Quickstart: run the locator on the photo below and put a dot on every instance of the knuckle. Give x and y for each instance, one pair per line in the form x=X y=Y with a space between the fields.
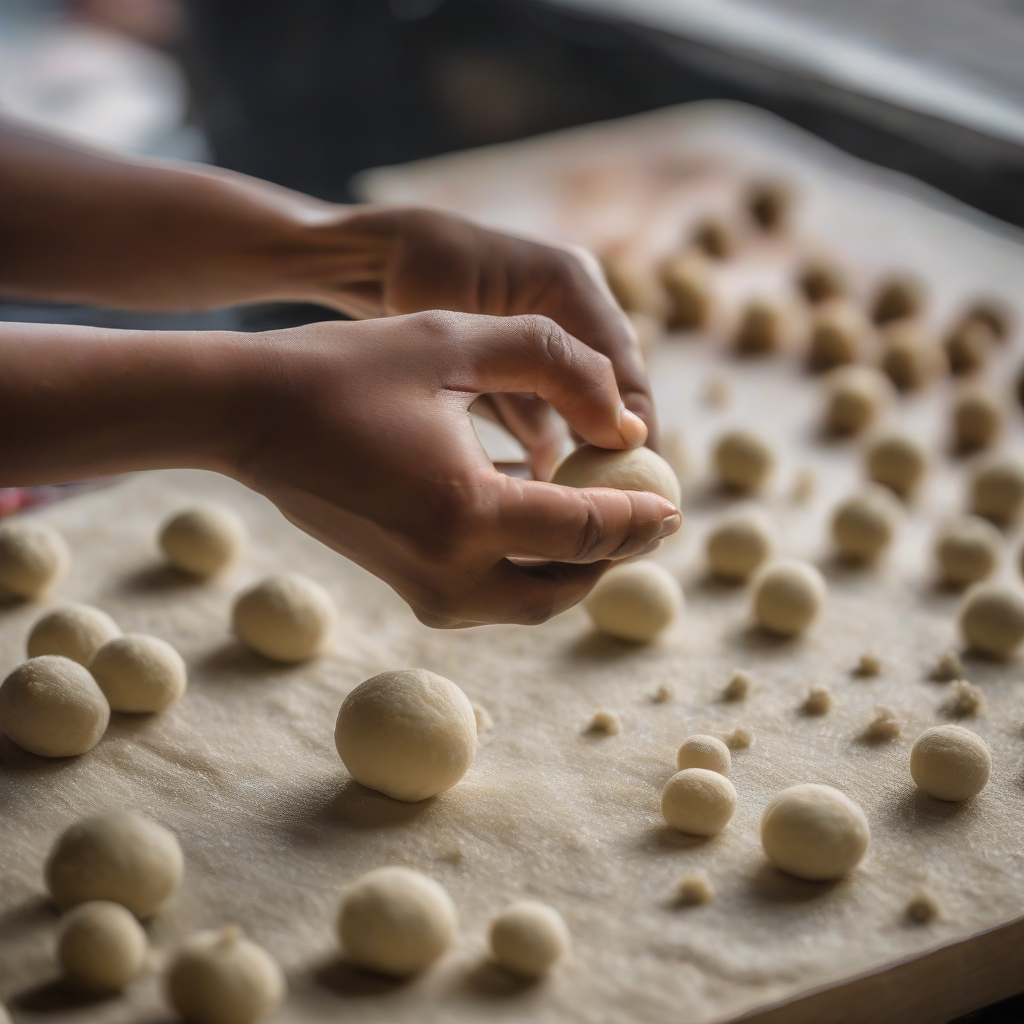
x=589 y=531
x=550 y=342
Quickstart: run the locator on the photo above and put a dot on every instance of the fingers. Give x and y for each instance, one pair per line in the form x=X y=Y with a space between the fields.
x=532 y=423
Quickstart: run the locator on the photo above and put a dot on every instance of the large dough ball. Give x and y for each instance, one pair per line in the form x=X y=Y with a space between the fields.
x=977 y=420
x=814 y=832
x=855 y=396
x=409 y=733
x=738 y=545
x=33 y=558
x=100 y=945
x=220 y=977
x=528 y=938
x=202 y=540
x=285 y=618
x=838 y=334
x=950 y=762
x=117 y=856
x=629 y=469
x=699 y=801
x=706 y=752
x=864 y=525
x=635 y=601
x=52 y=706
x=898 y=462
x=743 y=460
x=75 y=631
x=139 y=673
x=997 y=490
x=992 y=619
x=968 y=550
x=396 y=921
x=788 y=595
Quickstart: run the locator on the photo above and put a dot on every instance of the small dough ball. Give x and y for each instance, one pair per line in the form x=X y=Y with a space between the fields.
x=898 y=462
x=761 y=328
x=965 y=700
x=743 y=460
x=706 y=752
x=117 y=856
x=821 y=280
x=868 y=666
x=968 y=550
x=51 y=706
x=396 y=921
x=75 y=631
x=864 y=525
x=285 y=618
x=715 y=237
x=739 y=739
x=629 y=469
x=606 y=723
x=33 y=558
x=698 y=801
x=884 y=727
x=100 y=945
x=819 y=701
x=220 y=977
x=528 y=938
x=977 y=420
x=738 y=688
x=968 y=347
x=788 y=595
x=838 y=334
x=694 y=889
x=856 y=395
x=408 y=733
x=814 y=832
x=997 y=490
x=992 y=619
x=738 y=545
x=950 y=762
x=202 y=540
x=923 y=908
x=769 y=203
x=687 y=279
x=635 y=601
x=898 y=297
x=994 y=314
x=910 y=356
x=948 y=667
x=139 y=673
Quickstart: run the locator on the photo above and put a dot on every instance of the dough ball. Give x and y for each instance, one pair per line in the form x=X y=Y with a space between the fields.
x=864 y=525
x=694 y=889
x=997 y=490
x=855 y=396
x=738 y=545
x=743 y=460
x=868 y=666
x=838 y=334
x=884 y=727
x=396 y=921
x=51 y=706
x=994 y=314
x=898 y=296
x=898 y=462
x=739 y=739
x=75 y=631
x=761 y=328
x=821 y=280
x=715 y=237
x=635 y=601
x=910 y=356
x=923 y=908
x=965 y=700
x=788 y=595
x=819 y=701
x=285 y=618
x=687 y=280
x=116 y=856
x=528 y=938
x=769 y=203
x=968 y=550
x=634 y=285
x=605 y=723
x=101 y=946
x=408 y=733
x=698 y=801
x=814 y=832
x=992 y=619
x=33 y=558
x=139 y=673
x=738 y=688
x=950 y=762
x=202 y=540
x=977 y=420
x=968 y=347
x=704 y=752
x=220 y=977
x=629 y=469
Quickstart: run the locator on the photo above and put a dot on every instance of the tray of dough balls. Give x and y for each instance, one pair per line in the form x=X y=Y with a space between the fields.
x=771 y=773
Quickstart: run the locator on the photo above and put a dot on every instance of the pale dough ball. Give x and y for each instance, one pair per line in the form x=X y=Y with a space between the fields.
x=910 y=356
x=898 y=462
x=117 y=856
x=408 y=733
x=997 y=490
x=694 y=889
x=139 y=673
x=950 y=762
x=528 y=938
x=864 y=525
x=100 y=945
x=738 y=545
x=761 y=328
x=992 y=619
x=821 y=280
x=285 y=618
x=788 y=595
x=396 y=921
x=51 y=706
x=33 y=558
x=635 y=287
x=814 y=832
x=977 y=420
x=704 y=752
x=202 y=540
x=698 y=801
x=635 y=601
x=743 y=460
x=898 y=296
x=968 y=550
x=220 y=977
x=687 y=279
x=629 y=469
x=855 y=396
x=75 y=631
x=838 y=335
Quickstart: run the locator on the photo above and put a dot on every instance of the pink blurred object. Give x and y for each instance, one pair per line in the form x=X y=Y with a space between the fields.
x=17 y=499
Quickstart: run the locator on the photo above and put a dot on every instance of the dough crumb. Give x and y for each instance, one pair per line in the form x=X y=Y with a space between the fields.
x=694 y=889
x=717 y=391
x=948 y=667
x=966 y=700
x=883 y=727
x=606 y=723
x=739 y=739
x=739 y=686
x=484 y=720
x=662 y=695
x=819 y=701
x=869 y=665
x=923 y=908
x=804 y=484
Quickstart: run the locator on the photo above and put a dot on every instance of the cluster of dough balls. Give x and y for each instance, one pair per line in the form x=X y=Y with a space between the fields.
x=699 y=798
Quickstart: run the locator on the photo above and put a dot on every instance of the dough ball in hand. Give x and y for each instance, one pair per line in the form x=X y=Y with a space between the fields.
x=968 y=550
x=743 y=460
x=992 y=619
x=139 y=673
x=408 y=733
x=51 y=706
x=950 y=762
x=34 y=557
x=699 y=801
x=635 y=601
x=997 y=490
x=528 y=938
x=738 y=545
x=75 y=631
x=202 y=540
x=864 y=525
x=101 y=946
x=788 y=595
x=286 y=618
x=629 y=469
x=706 y=752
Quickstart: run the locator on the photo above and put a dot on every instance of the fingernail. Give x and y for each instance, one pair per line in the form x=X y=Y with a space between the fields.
x=632 y=428
x=670 y=524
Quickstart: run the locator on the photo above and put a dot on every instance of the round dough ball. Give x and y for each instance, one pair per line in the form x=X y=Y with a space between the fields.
x=738 y=545
x=285 y=618
x=75 y=631
x=408 y=733
x=220 y=977
x=837 y=335
x=992 y=619
x=821 y=280
x=704 y=752
x=33 y=558
x=528 y=938
x=51 y=706
x=396 y=921
x=814 y=832
x=769 y=203
x=715 y=237
x=629 y=469
x=761 y=328
x=139 y=673
x=100 y=945
x=994 y=314
x=968 y=347
x=632 y=283
x=743 y=460
x=202 y=540
x=997 y=490
x=856 y=395
x=950 y=762
x=687 y=279
x=898 y=296
x=910 y=356
x=698 y=801
x=635 y=601
x=968 y=550
x=864 y=525
x=788 y=595
x=977 y=420
x=117 y=856
x=898 y=462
